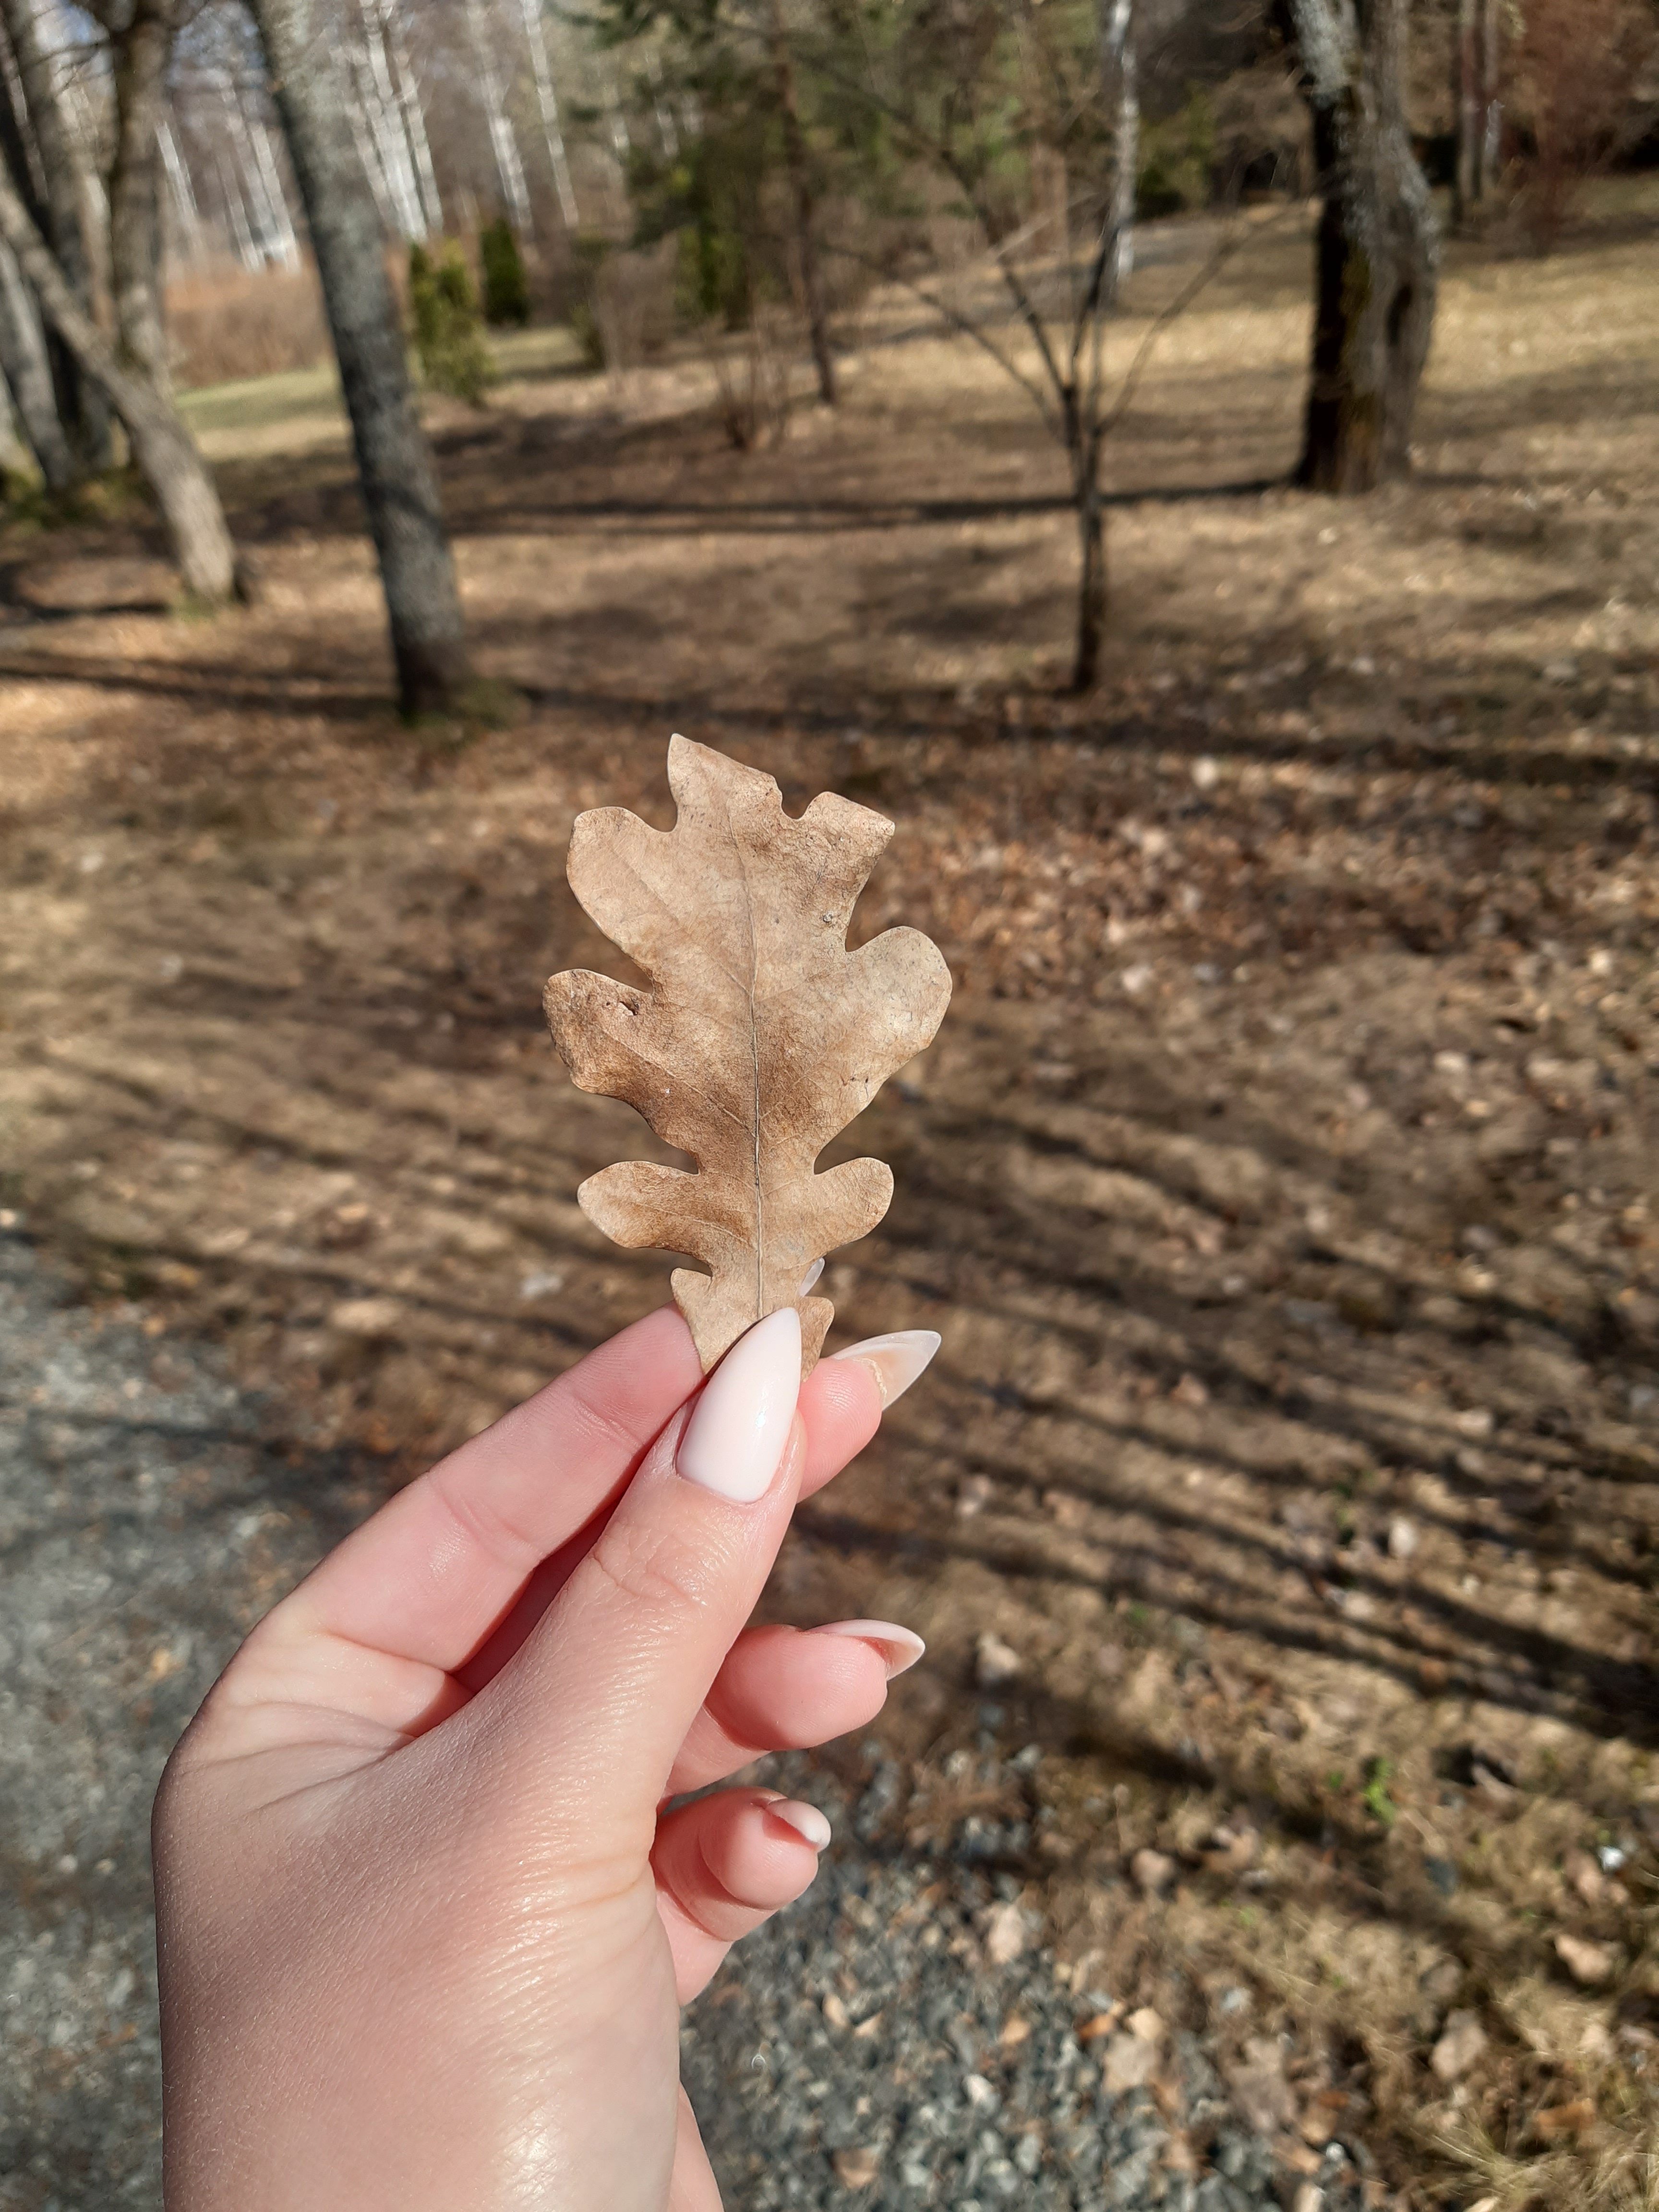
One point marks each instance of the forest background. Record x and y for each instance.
(1191, 464)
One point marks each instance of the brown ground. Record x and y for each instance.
(1281, 1183)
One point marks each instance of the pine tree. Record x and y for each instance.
(506, 287)
(448, 329)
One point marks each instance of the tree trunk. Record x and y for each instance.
(27, 367)
(140, 54)
(394, 465)
(62, 215)
(1376, 255)
(1467, 176)
(1120, 87)
(1492, 104)
(1082, 451)
(162, 444)
(552, 129)
(798, 162)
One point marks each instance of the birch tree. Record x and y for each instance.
(394, 464)
(547, 100)
(509, 168)
(1121, 97)
(27, 367)
(400, 69)
(141, 35)
(46, 158)
(975, 95)
(165, 452)
(188, 211)
(1377, 252)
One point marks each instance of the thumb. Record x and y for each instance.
(619, 1666)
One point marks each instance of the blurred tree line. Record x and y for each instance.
(773, 159)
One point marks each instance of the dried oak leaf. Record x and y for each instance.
(759, 1036)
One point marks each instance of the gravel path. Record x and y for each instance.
(145, 1520)
(875, 2047)
(900, 2038)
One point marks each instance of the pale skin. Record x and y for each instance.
(425, 1927)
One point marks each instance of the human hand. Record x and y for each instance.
(423, 1925)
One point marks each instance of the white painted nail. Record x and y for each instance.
(899, 1647)
(811, 1276)
(735, 1437)
(805, 1819)
(895, 1360)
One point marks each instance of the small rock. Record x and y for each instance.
(1462, 2040)
(1230, 1851)
(368, 1317)
(1310, 2197)
(835, 2011)
(1585, 1962)
(1442, 1981)
(974, 1495)
(1148, 2024)
(1403, 1537)
(979, 2092)
(1129, 2063)
(1260, 2090)
(1189, 1391)
(1154, 1871)
(1005, 1934)
(856, 2169)
(996, 1662)
(1442, 1873)
(1586, 1877)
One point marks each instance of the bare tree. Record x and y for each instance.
(141, 34)
(1121, 96)
(1376, 254)
(52, 172)
(162, 446)
(547, 100)
(394, 464)
(1469, 178)
(977, 96)
(27, 368)
(509, 168)
(798, 162)
(1575, 61)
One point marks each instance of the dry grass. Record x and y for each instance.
(1284, 1172)
(225, 322)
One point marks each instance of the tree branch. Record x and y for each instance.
(965, 324)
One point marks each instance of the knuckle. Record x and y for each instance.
(658, 1572)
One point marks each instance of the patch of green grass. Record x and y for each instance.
(259, 402)
(1378, 1803)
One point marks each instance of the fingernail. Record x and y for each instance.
(735, 1437)
(899, 1647)
(811, 1276)
(805, 1819)
(895, 1360)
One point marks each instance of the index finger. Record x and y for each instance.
(430, 1577)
